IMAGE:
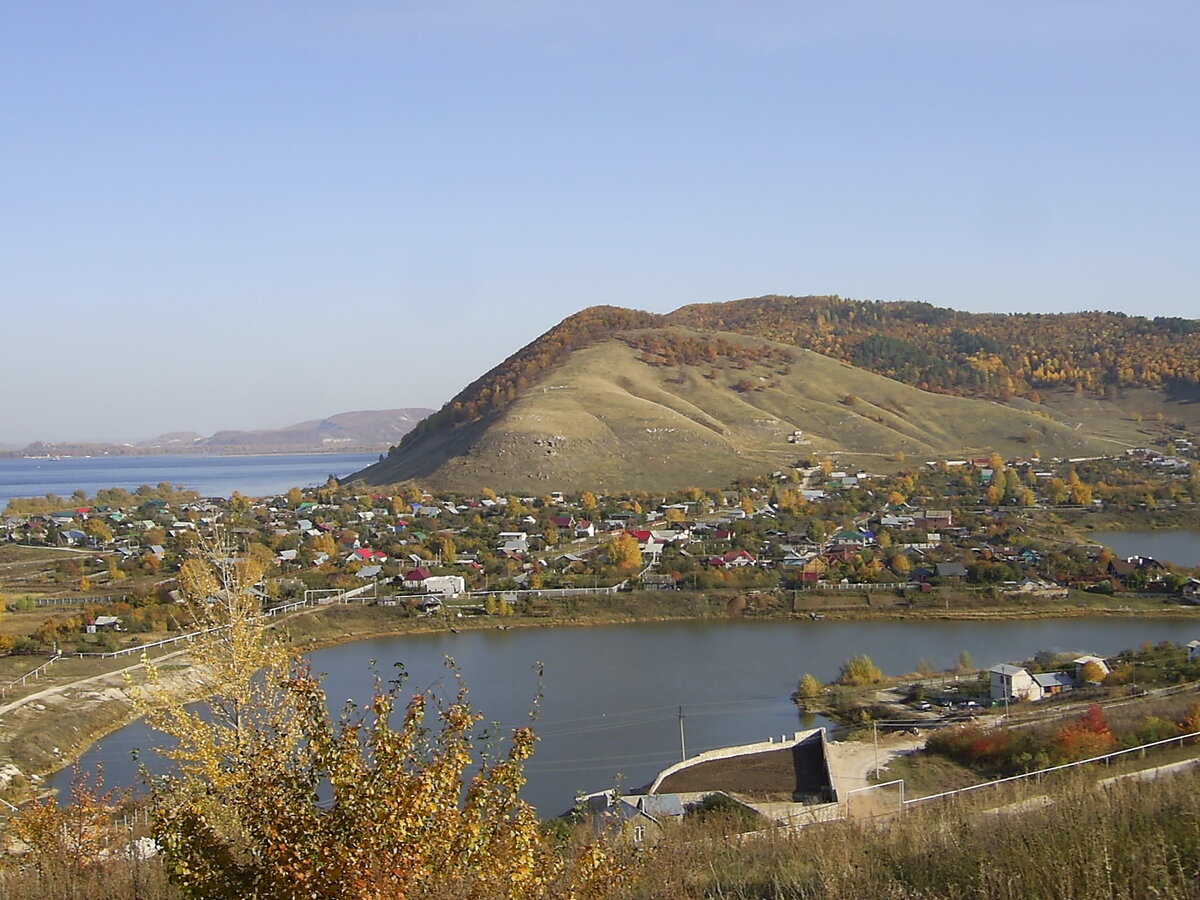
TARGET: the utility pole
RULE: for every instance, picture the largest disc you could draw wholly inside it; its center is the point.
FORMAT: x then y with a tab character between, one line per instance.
875	733
682	745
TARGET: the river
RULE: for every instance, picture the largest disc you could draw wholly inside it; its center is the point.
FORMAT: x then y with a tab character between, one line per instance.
1180	546
209	476
613	694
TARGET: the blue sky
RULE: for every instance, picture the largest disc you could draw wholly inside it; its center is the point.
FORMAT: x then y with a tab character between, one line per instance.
245	214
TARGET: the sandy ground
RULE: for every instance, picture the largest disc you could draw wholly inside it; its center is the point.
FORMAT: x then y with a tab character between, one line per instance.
851	764
52	727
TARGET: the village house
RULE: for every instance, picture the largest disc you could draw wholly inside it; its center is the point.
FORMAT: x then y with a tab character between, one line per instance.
1191	591
732	559
1052	683
1014	683
414	579
103	623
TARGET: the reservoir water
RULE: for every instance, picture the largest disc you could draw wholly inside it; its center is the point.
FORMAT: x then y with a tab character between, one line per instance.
209	476
1180	546
613	694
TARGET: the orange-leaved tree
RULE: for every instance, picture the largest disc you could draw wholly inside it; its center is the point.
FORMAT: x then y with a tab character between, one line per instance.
1086	737
273	798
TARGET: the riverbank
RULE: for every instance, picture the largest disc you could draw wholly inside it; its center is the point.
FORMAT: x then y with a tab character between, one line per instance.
44	733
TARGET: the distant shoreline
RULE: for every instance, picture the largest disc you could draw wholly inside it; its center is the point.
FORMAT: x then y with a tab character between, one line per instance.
195	451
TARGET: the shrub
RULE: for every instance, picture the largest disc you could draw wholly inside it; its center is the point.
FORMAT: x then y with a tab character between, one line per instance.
858	671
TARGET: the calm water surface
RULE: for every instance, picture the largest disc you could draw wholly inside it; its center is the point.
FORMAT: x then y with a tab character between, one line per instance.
1178	545
612	694
209	476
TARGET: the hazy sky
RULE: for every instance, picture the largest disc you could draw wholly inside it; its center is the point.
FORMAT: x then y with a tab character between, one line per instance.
244	214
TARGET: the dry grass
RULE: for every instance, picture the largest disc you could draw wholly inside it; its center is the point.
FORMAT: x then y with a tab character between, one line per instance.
1027	842
1133	840
605	419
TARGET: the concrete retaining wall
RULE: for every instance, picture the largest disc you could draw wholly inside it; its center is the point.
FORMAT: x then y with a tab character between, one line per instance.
783	743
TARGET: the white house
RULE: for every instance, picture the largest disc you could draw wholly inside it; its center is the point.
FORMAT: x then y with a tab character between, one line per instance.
445	584
1013	682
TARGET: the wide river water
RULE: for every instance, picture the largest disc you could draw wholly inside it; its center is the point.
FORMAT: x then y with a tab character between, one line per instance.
209	476
1177	545
613	694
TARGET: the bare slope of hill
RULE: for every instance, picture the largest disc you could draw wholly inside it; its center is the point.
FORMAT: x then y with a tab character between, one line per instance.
664	407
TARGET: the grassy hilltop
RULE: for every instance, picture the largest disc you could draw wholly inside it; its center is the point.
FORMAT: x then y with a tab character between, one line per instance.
614	398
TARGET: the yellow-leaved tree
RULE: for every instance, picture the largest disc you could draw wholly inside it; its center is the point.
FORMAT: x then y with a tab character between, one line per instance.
273	798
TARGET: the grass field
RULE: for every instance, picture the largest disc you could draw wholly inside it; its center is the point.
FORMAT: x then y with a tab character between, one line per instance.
606	419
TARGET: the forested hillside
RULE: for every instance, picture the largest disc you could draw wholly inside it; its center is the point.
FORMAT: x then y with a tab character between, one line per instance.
973	354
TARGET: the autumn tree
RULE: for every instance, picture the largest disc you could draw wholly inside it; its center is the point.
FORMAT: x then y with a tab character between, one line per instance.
1092	672
98	530
1086	737
809	688
446	549
858	671
625	552
323	543
271	798
64	841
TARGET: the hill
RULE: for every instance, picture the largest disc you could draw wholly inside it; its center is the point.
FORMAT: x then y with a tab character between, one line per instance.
367	429
669	406
973	354
361	430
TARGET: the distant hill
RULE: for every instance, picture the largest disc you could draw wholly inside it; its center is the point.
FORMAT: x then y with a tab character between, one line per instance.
366	430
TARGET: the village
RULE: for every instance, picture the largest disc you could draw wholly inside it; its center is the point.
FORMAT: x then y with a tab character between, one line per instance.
951	534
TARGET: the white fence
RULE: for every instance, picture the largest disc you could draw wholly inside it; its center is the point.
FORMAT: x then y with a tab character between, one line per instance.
34	674
1061	768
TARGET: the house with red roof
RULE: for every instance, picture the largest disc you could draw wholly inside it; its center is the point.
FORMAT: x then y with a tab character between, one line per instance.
415	579
367	555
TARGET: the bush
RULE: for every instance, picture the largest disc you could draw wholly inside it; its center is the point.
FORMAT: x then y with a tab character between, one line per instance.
858	671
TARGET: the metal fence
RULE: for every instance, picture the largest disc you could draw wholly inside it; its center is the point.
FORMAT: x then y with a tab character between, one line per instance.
1105	758
35	674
